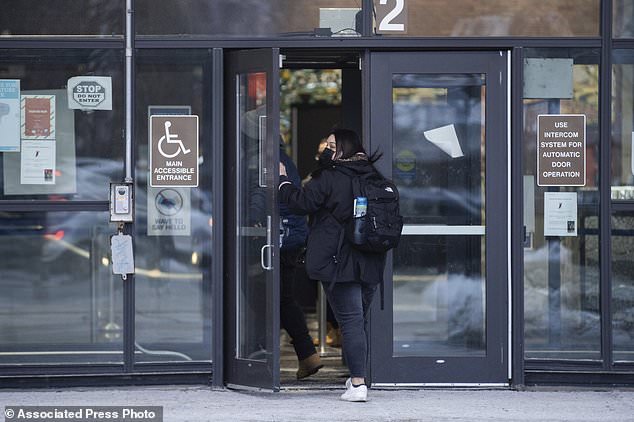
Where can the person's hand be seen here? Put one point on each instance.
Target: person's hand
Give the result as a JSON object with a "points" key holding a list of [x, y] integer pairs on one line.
{"points": [[282, 169]]}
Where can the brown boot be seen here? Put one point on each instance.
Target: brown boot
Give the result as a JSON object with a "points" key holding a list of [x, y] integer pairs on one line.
{"points": [[309, 366], [333, 336]]}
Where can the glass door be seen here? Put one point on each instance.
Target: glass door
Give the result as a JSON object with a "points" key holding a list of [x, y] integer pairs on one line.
{"points": [[440, 119], [252, 230]]}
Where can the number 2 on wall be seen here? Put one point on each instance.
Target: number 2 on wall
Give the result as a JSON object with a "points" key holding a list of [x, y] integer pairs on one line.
{"points": [[386, 23]]}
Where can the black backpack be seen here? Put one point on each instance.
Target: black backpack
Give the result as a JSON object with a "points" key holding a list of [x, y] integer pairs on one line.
{"points": [[379, 230]]}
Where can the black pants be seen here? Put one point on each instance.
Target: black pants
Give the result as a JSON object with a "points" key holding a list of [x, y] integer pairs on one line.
{"points": [[351, 304], [292, 318]]}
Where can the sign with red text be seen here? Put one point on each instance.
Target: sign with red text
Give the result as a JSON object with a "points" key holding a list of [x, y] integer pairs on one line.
{"points": [[561, 150], [173, 151], [90, 93]]}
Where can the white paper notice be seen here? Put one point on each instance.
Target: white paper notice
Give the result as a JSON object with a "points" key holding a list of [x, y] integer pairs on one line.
{"points": [[9, 115], [560, 214], [446, 139], [122, 255], [37, 165]]}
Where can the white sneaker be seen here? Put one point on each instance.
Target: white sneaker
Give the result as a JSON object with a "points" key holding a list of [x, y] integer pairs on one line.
{"points": [[353, 393]]}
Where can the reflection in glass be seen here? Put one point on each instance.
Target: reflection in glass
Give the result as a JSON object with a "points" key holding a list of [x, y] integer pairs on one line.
{"points": [[622, 125], [623, 286], [252, 219], [60, 302], [439, 168], [247, 17], [561, 274], [439, 296], [623, 18], [173, 225], [172, 281], [467, 18], [89, 145], [62, 17]]}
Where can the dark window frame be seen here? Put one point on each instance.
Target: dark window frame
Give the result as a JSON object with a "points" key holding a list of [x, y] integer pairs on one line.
{"points": [[523, 371]]}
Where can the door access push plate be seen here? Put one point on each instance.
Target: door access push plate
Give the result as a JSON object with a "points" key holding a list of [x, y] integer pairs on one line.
{"points": [[121, 202]]}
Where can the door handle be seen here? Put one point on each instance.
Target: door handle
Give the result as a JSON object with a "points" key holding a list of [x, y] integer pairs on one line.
{"points": [[268, 247], [264, 249]]}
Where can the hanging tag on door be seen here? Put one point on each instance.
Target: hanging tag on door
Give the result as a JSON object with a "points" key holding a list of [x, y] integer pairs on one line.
{"points": [[122, 256]]}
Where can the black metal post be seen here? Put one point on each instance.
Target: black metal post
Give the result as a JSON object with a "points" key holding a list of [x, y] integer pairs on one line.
{"points": [[554, 268], [605, 211], [517, 215], [217, 236], [129, 289]]}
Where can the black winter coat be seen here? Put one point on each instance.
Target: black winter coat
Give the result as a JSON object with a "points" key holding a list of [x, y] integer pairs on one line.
{"points": [[328, 198]]}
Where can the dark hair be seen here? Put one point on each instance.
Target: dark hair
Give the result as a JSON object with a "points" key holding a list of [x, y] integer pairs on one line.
{"points": [[349, 144]]}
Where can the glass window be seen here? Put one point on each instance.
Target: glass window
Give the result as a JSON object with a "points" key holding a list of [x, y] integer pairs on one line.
{"points": [[623, 18], [561, 270], [623, 125], [248, 17], [251, 218], [60, 302], [468, 18], [623, 194], [623, 286], [440, 264], [62, 17], [52, 146], [173, 225]]}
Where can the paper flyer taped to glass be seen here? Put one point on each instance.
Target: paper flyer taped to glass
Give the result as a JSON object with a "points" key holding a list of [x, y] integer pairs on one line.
{"points": [[9, 115]]}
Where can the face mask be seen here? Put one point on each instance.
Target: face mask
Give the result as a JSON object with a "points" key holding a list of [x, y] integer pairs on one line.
{"points": [[326, 157]]}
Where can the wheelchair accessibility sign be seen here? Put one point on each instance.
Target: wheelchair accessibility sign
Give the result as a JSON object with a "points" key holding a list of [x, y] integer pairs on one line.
{"points": [[174, 151]]}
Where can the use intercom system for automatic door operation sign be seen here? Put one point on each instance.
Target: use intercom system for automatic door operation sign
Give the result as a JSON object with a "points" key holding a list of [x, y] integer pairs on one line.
{"points": [[121, 202]]}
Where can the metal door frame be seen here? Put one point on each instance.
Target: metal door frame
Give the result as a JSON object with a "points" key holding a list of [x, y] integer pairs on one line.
{"points": [[244, 373], [387, 370]]}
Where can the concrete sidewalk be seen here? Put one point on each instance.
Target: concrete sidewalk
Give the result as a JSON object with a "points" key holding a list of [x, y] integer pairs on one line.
{"points": [[187, 403]]}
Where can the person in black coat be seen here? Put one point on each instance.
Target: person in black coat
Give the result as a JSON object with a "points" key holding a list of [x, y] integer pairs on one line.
{"points": [[350, 277]]}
